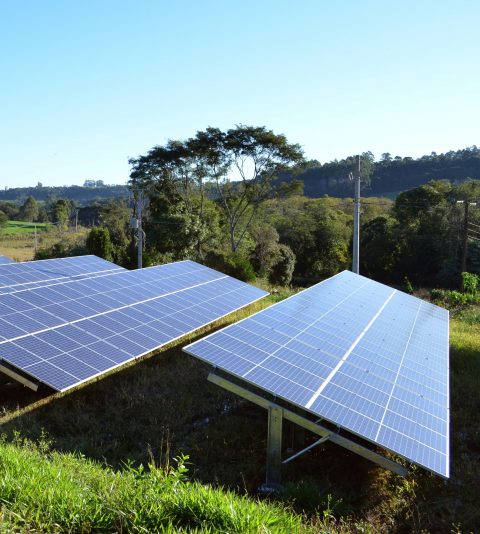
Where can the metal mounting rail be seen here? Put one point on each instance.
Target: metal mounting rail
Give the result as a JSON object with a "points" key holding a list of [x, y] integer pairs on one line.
{"points": [[275, 415]]}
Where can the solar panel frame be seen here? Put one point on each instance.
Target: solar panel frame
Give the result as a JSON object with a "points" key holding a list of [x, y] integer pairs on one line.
{"points": [[66, 351], [346, 395], [32, 274]]}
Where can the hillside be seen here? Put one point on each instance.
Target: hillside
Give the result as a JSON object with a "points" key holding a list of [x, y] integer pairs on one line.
{"points": [[389, 175], [80, 194]]}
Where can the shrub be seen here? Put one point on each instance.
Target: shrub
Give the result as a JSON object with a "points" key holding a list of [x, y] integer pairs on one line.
{"points": [[231, 263], [452, 299], [99, 243], [60, 250], [282, 271], [470, 283]]}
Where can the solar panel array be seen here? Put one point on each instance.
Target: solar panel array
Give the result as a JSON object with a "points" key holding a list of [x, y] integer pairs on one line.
{"points": [[71, 331], [4, 260], [357, 353], [30, 274]]}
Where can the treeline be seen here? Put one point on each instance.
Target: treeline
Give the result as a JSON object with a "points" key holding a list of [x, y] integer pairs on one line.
{"points": [[82, 195], [255, 225], [389, 175]]}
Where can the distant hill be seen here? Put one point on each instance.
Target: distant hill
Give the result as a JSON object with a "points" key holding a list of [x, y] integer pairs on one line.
{"points": [[80, 194], [389, 175]]}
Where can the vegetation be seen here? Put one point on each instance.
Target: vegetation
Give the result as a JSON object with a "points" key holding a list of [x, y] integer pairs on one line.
{"points": [[389, 175], [81, 195], [423, 238], [108, 465], [172, 410], [79, 495]]}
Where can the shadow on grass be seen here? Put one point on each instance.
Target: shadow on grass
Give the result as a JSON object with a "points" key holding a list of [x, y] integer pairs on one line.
{"points": [[162, 406]]}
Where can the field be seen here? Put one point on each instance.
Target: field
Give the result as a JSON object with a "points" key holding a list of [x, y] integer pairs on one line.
{"points": [[163, 407], [17, 239]]}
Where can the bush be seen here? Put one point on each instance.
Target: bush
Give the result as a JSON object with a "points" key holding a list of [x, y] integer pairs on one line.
{"points": [[282, 271], [231, 263], [59, 250], [470, 283], [452, 299], [99, 243]]}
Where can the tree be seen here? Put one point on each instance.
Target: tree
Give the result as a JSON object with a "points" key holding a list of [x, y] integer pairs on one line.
{"points": [[253, 157], [379, 248], [282, 270], [115, 217], [98, 242], [266, 251], [29, 210], [179, 216], [237, 167], [3, 219], [60, 212]]}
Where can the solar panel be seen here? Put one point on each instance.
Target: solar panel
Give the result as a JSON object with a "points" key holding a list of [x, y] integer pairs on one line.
{"points": [[27, 275], [5, 260], [69, 332], [356, 353]]}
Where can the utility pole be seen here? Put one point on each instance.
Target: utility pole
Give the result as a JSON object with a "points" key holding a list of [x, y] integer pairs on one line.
{"points": [[139, 230], [469, 231], [463, 269], [36, 243], [356, 218], [76, 218], [136, 225]]}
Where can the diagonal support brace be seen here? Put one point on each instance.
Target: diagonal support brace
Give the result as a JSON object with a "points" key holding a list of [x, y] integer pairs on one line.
{"points": [[310, 425]]}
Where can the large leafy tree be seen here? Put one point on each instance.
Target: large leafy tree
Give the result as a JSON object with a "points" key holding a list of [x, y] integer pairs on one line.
{"points": [[253, 157], [234, 168]]}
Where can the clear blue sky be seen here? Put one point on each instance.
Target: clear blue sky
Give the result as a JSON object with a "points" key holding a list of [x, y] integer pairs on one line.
{"points": [[88, 84]]}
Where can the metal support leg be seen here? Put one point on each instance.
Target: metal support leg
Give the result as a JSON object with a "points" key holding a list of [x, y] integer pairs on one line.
{"points": [[274, 446]]}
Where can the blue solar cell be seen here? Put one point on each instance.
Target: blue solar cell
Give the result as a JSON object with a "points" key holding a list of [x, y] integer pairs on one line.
{"points": [[4, 260], [15, 277], [89, 357], [51, 375], [96, 323], [69, 364], [355, 352], [9, 331], [18, 356]]}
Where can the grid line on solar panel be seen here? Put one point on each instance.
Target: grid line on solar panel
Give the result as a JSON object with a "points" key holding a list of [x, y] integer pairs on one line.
{"points": [[71, 310], [37, 273], [383, 374], [94, 345], [179, 333]]}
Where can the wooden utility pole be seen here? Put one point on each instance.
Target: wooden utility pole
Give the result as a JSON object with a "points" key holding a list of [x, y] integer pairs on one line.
{"points": [[356, 219]]}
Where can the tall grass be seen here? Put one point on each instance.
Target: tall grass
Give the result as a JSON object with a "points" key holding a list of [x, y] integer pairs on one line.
{"points": [[131, 413], [58, 492]]}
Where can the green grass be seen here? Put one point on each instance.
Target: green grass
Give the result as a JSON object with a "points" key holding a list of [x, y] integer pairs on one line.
{"points": [[53, 492], [18, 242], [23, 227], [162, 407]]}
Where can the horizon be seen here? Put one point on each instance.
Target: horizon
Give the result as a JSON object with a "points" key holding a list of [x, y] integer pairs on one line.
{"points": [[125, 183]]}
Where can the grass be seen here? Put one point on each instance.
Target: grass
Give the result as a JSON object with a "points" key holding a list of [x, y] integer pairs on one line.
{"points": [[24, 227], [79, 495], [17, 240], [162, 407]]}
